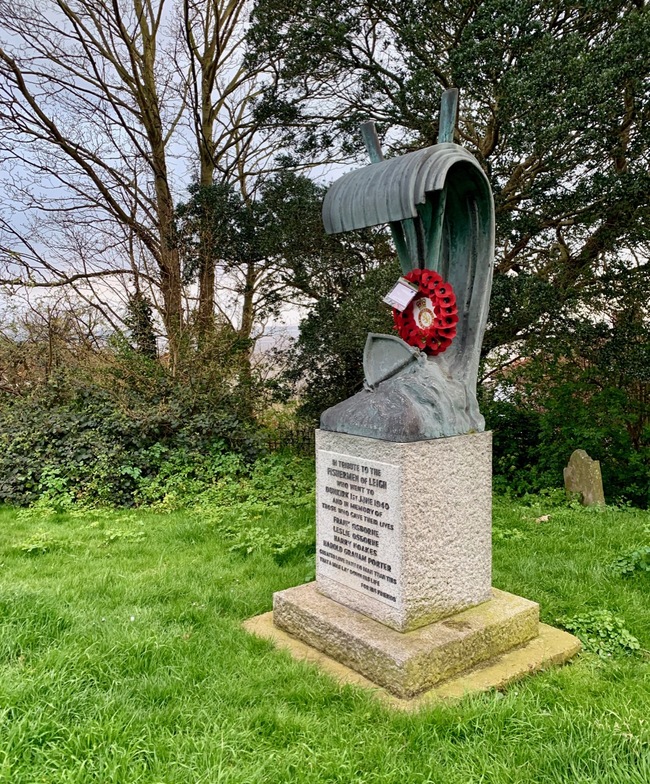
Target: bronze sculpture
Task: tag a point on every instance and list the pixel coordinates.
(439, 206)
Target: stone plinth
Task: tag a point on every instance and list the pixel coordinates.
(406, 663)
(403, 602)
(550, 648)
(404, 529)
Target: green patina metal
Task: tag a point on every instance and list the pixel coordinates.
(439, 207)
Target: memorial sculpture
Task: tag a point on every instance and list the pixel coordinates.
(403, 592)
(438, 204)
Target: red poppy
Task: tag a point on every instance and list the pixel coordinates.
(449, 300)
(437, 337)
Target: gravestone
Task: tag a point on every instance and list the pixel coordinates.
(403, 593)
(582, 477)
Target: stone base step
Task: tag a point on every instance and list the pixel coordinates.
(405, 664)
(551, 647)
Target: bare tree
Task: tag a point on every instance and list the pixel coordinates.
(102, 105)
(39, 334)
(222, 89)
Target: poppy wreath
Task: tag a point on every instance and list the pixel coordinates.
(429, 320)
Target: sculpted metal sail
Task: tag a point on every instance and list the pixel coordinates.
(438, 204)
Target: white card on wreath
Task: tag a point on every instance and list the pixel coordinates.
(401, 294)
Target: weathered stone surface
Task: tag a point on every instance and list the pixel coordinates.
(582, 477)
(552, 647)
(441, 510)
(406, 664)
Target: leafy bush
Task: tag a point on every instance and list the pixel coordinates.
(118, 435)
(41, 543)
(508, 534)
(601, 632)
(281, 545)
(515, 443)
(635, 560)
(531, 448)
(183, 476)
(580, 383)
(540, 418)
(225, 478)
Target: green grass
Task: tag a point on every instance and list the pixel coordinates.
(122, 659)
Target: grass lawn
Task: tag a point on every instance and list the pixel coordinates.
(122, 658)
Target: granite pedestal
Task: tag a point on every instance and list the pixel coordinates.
(403, 530)
(403, 593)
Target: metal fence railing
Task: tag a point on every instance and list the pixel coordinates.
(300, 439)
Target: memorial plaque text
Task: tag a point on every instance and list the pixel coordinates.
(357, 525)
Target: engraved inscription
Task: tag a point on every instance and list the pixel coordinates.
(358, 518)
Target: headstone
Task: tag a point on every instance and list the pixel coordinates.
(582, 477)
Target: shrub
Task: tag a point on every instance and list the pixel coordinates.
(109, 439)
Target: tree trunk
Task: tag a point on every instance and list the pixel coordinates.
(207, 251)
(248, 305)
